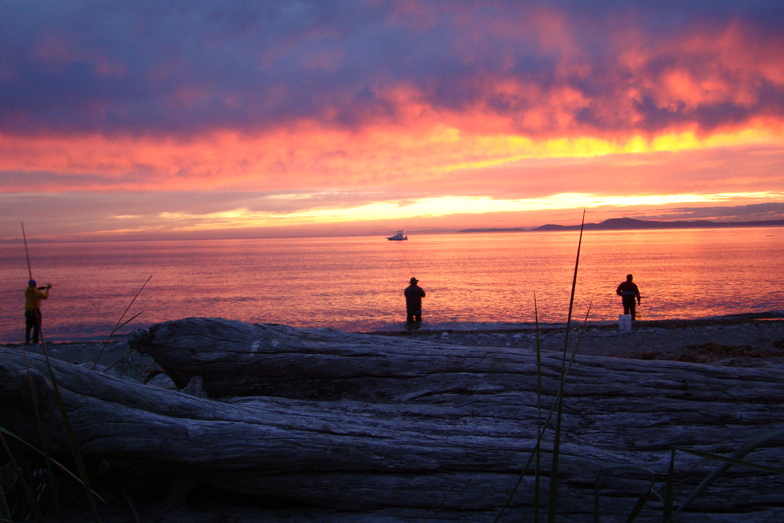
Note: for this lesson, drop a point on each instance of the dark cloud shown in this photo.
(46, 182)
(181, 67)
(739, 213)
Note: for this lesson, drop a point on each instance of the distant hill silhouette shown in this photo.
(623, 224)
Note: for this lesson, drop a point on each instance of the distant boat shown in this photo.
(401, 235)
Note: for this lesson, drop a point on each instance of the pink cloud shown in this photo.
(406, 100)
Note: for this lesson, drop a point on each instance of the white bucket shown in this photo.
(625, 322)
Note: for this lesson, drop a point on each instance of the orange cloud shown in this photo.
(309, 157)
(462, 106)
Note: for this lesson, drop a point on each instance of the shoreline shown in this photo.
(731, 319)
(749, 340)
(472, 327)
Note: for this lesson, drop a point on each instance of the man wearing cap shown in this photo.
(33, 297)
(414, 294)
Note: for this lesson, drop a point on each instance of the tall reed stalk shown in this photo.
(119, 325)
(554, 467)
(72, 443)
(555, 409)
(539, 424)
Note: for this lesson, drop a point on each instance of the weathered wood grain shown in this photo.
(450, 445)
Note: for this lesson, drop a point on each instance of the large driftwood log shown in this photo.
(240, 359)
(455, 459)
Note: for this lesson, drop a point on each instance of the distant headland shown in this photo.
(622, 224)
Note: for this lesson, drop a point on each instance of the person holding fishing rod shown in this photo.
(414, 294)
(33, 297)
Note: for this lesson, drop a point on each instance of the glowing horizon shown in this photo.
(442, 206)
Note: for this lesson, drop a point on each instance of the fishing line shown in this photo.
(407, 257)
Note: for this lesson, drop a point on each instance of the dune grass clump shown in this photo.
(31, 478)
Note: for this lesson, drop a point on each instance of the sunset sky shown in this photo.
(186, 119)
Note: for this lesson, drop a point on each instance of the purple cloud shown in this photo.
(182, 68)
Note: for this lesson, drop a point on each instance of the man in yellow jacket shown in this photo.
(33, 297)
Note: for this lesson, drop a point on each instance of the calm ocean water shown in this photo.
(356, 284)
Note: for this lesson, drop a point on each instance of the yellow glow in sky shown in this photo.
(443, 206)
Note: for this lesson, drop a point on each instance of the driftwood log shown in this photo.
(240, 359)
(412, 430)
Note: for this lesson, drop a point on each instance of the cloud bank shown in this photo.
(350, 100)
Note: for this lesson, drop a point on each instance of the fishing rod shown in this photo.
(38, 331)
(27, 253)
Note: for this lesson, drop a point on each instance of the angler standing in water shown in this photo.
(628, 292)
(33, 297)
(414, 294)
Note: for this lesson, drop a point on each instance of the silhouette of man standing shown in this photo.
(629, 292)
(33, 296)
(414, 294)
